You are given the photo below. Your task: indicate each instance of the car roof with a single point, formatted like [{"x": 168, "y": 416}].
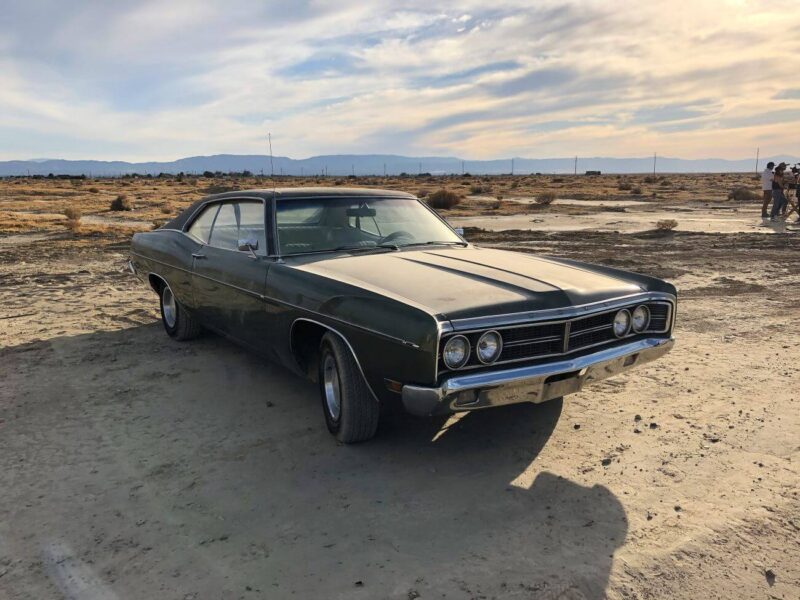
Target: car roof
[
  {"x": 311, "y": 192},
  {"x": 180, "y": 221}
]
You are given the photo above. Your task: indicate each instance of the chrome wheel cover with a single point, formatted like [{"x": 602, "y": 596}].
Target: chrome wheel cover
[
  {"x": 330, "y": 383},
  {"x": 169, "y": 307}
]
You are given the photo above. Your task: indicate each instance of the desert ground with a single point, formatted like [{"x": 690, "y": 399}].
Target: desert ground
[{"x": 133, "y": 466}]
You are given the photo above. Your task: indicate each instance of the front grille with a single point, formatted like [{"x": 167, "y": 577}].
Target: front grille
[{"x": 540, "y": 340}]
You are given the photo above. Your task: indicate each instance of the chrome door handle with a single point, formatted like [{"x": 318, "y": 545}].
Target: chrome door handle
[{"x": 198, "y": 255}]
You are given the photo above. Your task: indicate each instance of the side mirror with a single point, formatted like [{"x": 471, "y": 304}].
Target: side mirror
[{"x": 249, "y": 244}]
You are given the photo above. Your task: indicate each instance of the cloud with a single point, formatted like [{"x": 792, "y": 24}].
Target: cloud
[{"x": 159, "y": 80}]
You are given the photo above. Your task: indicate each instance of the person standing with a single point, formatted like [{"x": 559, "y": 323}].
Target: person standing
[
  {"x": 778, "y": 197},
  {"x": 766, "y": 188}
]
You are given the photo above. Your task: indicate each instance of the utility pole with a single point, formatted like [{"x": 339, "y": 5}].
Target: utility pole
[
  {"x": 576, "y": 165},
  {"x": 420, "y": 168},
  {"x": 758, "y": 150},
  {"x": 301, "y": 171},
  {"x": 384, "y": 169},
  {"x": 462, "y": 167},
  {"x": 353, "y": 169},
  {"x": 654, "y": 164},
  {"x": 512, "y": 166}
]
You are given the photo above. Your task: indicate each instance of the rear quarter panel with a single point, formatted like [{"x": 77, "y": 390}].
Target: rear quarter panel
[{"x": 168, "y": 254}]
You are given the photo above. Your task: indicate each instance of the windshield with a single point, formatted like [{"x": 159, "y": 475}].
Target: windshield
[{"x": 340, "y": 224}]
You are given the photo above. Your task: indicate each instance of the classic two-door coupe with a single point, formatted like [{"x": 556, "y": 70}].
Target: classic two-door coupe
[{"x": 374, "y": 295}]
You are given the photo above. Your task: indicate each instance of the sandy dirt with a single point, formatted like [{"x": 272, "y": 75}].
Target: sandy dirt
[{"x": 132, "y": 466}]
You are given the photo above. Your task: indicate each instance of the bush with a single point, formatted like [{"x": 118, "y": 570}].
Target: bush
[
  {"x": 546, "y": 198},
  {"x": 666, "y": 225},
  {"x": 742, "y": 194},
  {"x": 637, "y": 191},
  {"x": 651, "y": 179},
  {"x": 73, "y": 213},
  {"x": 121, "y": 202},
  {"x": 443, "y": 199},
  {"x": 93, "y": 190},
  {"x": 624, "y": 185},
  {"x": 422, "y": 193},
  {"x": 166, "y": 208},
  {"x": 480, "y": 189}
]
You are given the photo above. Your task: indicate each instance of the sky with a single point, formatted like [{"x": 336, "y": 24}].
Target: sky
[{"x": 165, "y": 79}]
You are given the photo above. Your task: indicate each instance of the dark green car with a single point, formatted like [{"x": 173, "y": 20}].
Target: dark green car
[{"x": 374, "y": 295}]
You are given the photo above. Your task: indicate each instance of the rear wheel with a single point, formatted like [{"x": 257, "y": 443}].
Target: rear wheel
[
  {"x": 351, "y": 412},
  {"x": 178, "y": 323}
]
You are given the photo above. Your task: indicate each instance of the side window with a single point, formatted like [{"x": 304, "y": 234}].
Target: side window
[
  {"x": 226, "y": 229},
  {"x": 201, "y": 228},
  {"x": 251, "y": 224}
]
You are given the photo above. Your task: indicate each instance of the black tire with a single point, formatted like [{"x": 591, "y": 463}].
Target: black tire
[
  {"x": 178, "y": 323},
  {"x": 358, "y": 410}
]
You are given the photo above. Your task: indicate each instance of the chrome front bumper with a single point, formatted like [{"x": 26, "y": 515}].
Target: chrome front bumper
[{"x": 536, "y": 383}]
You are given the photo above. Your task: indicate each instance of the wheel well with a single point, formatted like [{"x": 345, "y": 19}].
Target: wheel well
[
  {"x": 156, "y": 282},
  {"x": 305, "y": 339}
]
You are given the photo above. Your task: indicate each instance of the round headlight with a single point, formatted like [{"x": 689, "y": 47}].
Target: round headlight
[
  {"x": 640, "y": 319},
  {"x": 456, "y": 352},
  {"x": 622, "y": 323},
  {"x": 489, "y": 347}
]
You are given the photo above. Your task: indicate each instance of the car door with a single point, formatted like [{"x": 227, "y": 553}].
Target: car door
[{"x": 228, "y": 283}]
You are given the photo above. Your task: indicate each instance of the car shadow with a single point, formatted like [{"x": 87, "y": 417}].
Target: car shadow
[{"x": 219, "y": 464}]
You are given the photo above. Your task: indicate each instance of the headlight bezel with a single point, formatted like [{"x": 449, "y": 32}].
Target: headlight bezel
[
  {"x": 646, "y": 325},
  {"x": 467, "y": 352},
  {"x": 620, "y": 312},
  {"x": 499, "y": 347}
]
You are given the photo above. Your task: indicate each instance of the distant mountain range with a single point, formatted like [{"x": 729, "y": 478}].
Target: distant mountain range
[{"x": 377, "y": 164}]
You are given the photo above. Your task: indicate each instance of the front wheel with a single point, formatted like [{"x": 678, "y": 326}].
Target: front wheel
[
  {"x": 178, "y": 323},
  {"x": 351, "y": 412}
]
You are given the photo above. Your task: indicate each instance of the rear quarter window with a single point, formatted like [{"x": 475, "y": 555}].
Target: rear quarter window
[{"x": 200, "y": 228}]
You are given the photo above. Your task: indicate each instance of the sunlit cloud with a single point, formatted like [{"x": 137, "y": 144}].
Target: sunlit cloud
[{"x": 160, "y": 80}]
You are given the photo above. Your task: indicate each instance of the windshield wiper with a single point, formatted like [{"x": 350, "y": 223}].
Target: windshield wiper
[
  {"x": 352, "y": 247},
  {"x": 435, "y": 243}
]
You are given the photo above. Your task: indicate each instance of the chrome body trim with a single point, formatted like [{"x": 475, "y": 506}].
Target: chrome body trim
[
  {"x": 568, "y": 335},
  {"x": 555, "y": 314},
  {"x": 387, "y": 336},
  {"x": 531, "y": 383}
]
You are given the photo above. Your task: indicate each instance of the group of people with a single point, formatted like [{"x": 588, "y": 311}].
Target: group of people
[{"x": 774, "y": 183}]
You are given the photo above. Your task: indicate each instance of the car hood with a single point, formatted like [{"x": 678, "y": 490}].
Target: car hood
[{"x": 457, "y": 283}]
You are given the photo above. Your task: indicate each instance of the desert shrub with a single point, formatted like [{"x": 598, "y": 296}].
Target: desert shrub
[
  {"x": 73, "y": 213},
  {"x": 651, "y": 179},
  {"x": 546, "y": 198},
  {"x": 121, "y": 202},
  {"x": 480, "y": 189},
  {"x": 624, "y": 185},
  {"x": 338, "y": 182},
  {"x": 495, "y": 205},
  {"x": 666, "y": 225},
  {"x": 443, "y": 199},
  {"x": 166, "y": 208},
  {"x": 742, "y": 194},
  {"x": 499, "y": 196},
  {"x": 422, "y": 193},
  {"x": 558, "y": 179},
  {"x": 93, "y": 190},
  {"x": 637, "y": 191},
  {"x": 514, "y": 185}
]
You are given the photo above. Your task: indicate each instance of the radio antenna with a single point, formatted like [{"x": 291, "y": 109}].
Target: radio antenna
[{"x": 271, "y": 166}]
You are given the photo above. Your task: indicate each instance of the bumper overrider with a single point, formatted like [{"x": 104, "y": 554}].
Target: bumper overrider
[{"x": 534, "y": 383}]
